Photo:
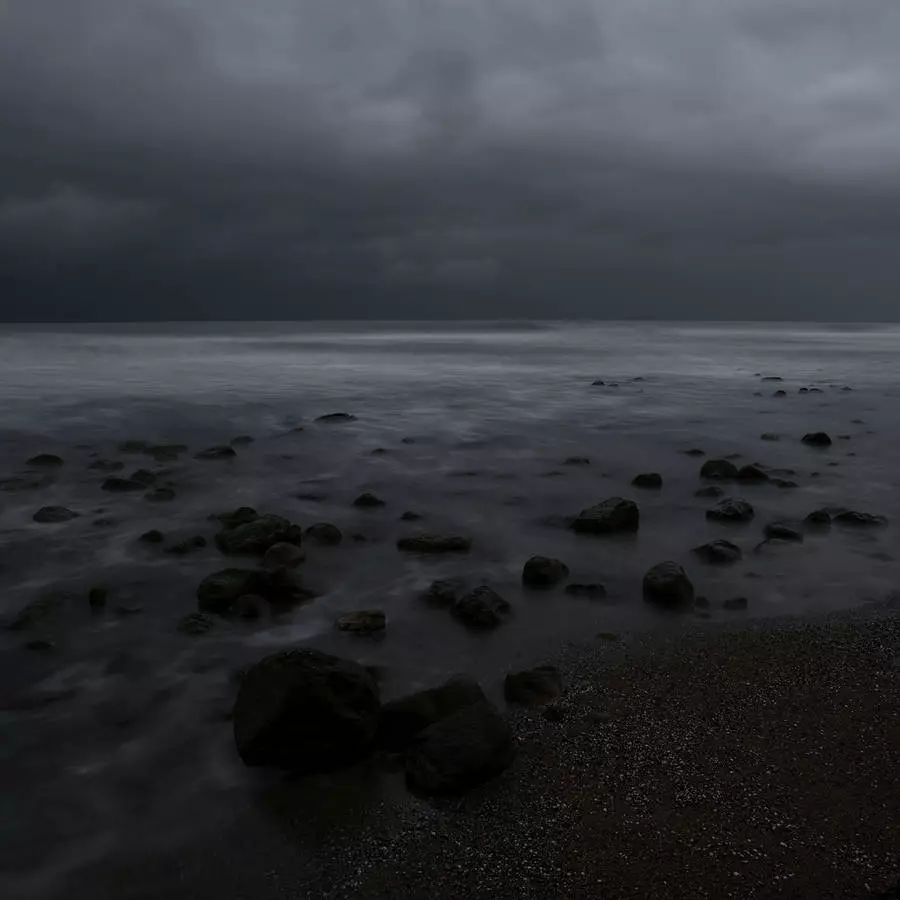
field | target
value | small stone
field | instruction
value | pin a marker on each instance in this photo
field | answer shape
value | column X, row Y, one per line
column 667, row 585
column 735, row 604
column 160, row 495
column 97, row 599
column 701, row 603
column 480, row 608
column 40, row 609
column 196, row 623
column 594, row 591
column 107, row 465
column 54, row 514
column 783, row 483
column 719, row 470
column 45, row 461
column 241, row 516
column 442, row 593
column 772, row 378
column 732, row 509
column 780, row 394
column 223, row 451
column 325, row 533
column 694, row 451
column 134, row 447
column 363, row 622
column 152, row 537
column 242, row 440
column 337, row 417
column 122, row 485
column 751, row 473
column 778, row 531
column 41, row 645
column 407, row 440
column 769, row 436
column 368, row 500
column 542, row 571
column 598, row 383
column 719, row 551
column 859, row 519
column 410, row 516
column 183, row 548
column 817, row 439
column 577, row 461
column 283, row 556
column 256, row 536
column 609, row 517
column 144, row 476
column 435, row 543
column 711, row 490
column 651, row 480
column 533, row 687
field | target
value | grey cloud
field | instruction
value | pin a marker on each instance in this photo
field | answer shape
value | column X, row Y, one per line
column 389, row 157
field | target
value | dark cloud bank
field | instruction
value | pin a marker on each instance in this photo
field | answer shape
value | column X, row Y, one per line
column 728, row 159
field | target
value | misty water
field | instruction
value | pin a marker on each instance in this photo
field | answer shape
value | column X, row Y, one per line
column 119, row 727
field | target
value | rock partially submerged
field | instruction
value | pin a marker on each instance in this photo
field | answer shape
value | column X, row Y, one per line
column 153, row 536
column 107, row 465
column 219, row 592
column 667, row 585
column 651, row 480
column 533, row 687
column 819, row 518
column 336, row 418
column 54, row 514
column 443, row 592
column 859, row 519
column 368, row 500
column 595, row 591
column 325, row 533
column 710, row 490
column 241, row 516
column 45, row 461
column 117, row 485
column 733, row 509
column 719, row 470
column 283, row 556
column 543, row 571
column 364, row 621
column 435, row 543
column 160, row 495
column 258, row 535
column 222, row 451
column 612, row 516
column 781, row 531
column 188, row 545
column 735, row 604
column 460, row 751
column 480, row 608
column 196, row 623
column 39, row 610
column 305, row 711
column 751, row 473
column 817, row 439
column 719, row 551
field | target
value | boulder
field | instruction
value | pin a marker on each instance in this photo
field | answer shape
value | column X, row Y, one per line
column 751, row 473
column 667, row 585
column 435, row 543
column 45, row 461
column 241, row 516
column 732, row 509
column 592, row 591
column 325, row 533
column 735, row 604
column 719, row 470
column 368, row 500
column 222, row 451
column 336, row 418
column 364, row 621
column 652, row 480
column 719, row 551
column 53, row 514
column 305, row 711
column 122, row 485
column 258, row 535
column 481, row 608
column 460, row 751
column 283, row 556
column 160, row 495
column 779, row 531
column 442, row 593
column 710, row 490
column 858, row 519
column 403, row 719
column 533, row 687
column 817, row 439
column 542, row 571
column 615, row 515
column 107, row 465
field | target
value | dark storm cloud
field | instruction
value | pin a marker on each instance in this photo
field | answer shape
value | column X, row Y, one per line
column 294, row 158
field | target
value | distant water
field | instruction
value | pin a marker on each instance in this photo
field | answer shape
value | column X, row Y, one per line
column 476, row 423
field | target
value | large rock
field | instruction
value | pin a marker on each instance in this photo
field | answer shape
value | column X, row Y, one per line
column 651, row 480
column 435, row 543
column 719, row 552
column 53, row 514
column 363, row 621
column 325, row 533
column 305, row 711
column 542, row 571
column 817, row 439
column 403, row 719
column 533, row 687
column 731, row 510
column 460, row 751
column 667, row 584
column 259, row 535
column 609, row 517
column 481, row 608
column 719, row 470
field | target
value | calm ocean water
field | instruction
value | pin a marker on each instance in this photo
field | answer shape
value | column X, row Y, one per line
column 493, row 412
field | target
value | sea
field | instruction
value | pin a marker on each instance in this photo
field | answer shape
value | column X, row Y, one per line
column 115, row 726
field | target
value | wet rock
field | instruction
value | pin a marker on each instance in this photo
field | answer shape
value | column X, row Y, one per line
column 403, row 719
column 594, row 591
column 223, row 451
column 769, row 436
column 719, row 470
column 443, row 592
column 858, row 519
column 54, row 514
column 45, row 461
column 410, row 516
column 368, row 500
column 364, row 621
column 577, row 461
column 732, row 509
column 779, row 531
column 242, row 440
column 817, row 439
column 694, row 451
column 258, row 535
column 615, row 515
column 652, row 480
column 336, row 418
column 122, row 485
column 735, row 604
column 711, row 490
column 160, row 495
column 241, row 516
column 107, row 465
column 250, row 607
column 435, row 543
column 283, row 556
column 305, row 711
column 152, row 537
column 189, row 545
column 751, row 473
column 542, row 571
column 480, row 608
column 325, row 533
column 144, row 476
column 41, row 609
column 533, row 687
column 460, row 751
column 719, row 551
column 667, row 585
column 196, row 623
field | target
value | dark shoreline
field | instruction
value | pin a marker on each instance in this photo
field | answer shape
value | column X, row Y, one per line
column 716, row 761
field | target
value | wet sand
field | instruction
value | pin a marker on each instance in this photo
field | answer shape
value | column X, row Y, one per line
column 762, row 762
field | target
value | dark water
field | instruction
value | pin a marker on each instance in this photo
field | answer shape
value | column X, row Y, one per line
column 125, row 724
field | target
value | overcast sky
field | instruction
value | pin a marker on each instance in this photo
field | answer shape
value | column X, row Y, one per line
column 227, row 159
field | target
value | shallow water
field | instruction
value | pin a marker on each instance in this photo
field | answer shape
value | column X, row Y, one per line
column 494, row 411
